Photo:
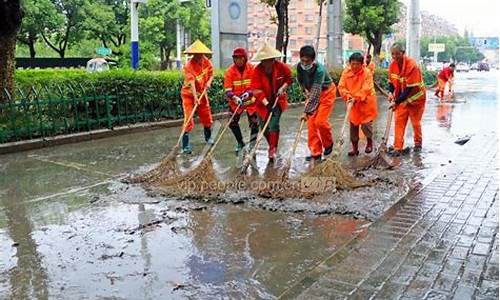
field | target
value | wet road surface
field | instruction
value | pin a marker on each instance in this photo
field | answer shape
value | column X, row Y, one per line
column 70, row 229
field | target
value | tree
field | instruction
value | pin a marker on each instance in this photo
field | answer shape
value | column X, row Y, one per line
column 108, row 23
column 74, row 13
column 281, row 19
column 371, row 19
column 456, row 48
column 158, row 24
column 11, row 15
column 39, row 14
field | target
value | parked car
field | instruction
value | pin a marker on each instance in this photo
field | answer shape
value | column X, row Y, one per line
column 463, row 67
column 474, row 66
column 483, row 67
column 435, row 66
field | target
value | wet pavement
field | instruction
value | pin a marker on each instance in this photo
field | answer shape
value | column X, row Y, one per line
column 70, row 229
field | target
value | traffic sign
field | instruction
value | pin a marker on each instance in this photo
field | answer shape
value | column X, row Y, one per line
column 436, row 47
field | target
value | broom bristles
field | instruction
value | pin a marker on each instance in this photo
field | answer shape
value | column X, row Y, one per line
column 202, row 180
column 333, row 168
column 166, row 169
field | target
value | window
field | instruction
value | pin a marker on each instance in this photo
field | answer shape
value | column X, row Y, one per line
column 293, row 43
column 308, row 4
column 293, row 18
column 309, row 30
column 309, row 18
column 292, row 30
column 309, row 42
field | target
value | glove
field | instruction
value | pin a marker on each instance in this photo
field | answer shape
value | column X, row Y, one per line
column 245, row 95
column 281, row 90
column 399, row 101
column 238, row 100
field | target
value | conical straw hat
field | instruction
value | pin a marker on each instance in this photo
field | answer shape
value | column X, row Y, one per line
column 198, row 48
column 267, row 52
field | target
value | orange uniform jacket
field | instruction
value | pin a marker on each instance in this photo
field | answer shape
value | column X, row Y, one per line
column 264, row 88
column 199, row 73
column 408, row 76
column 359, row 86
column 239, row 83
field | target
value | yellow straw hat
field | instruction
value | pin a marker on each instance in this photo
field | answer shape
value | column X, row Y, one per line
column 198, row 48
column 266, row 52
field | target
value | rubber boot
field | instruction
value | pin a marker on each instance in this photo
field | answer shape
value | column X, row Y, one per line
column 186, row 147
column 239, row 138
column 328, row 150
column 354, row 150
column 313, row 158
column 207, row 131
column 273, row 145
column 369, row 145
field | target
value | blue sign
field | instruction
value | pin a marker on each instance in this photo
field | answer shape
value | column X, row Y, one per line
column 484, row 42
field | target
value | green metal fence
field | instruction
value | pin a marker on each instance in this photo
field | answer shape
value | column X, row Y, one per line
column 44, row 111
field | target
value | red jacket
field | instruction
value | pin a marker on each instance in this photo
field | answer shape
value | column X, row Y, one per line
column 264, row 88
column 239, row 83
column 445, row 74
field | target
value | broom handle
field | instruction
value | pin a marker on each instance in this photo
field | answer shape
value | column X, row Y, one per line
column 383, row 144
column 246, row 162
column 297, row 137
column 189, row 118
column 219, row 138
column 347, row 112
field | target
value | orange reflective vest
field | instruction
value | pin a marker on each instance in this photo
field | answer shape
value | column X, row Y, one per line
column 267, row 87
column 239, row 83
column 200, row 73
column 359, row 87
column 408, row 76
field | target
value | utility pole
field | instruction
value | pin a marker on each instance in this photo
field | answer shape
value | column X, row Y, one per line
column 335, row 32
column 134, row 32
column 413, row 30
column 215, row 34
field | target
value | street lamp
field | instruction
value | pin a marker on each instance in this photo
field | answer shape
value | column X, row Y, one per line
column 134, row 35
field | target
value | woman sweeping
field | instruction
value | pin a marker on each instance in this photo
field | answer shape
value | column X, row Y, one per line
column 356, row 88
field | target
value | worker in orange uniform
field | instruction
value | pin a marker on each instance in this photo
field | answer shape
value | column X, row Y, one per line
column 237, row 81
column 320, row 94
column 198, row 76
column 369, row 63
column 445, row 76
column 407, row 96
column 356, row 87
column 270, row 80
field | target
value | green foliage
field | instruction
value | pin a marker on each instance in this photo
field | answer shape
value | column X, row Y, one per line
column 371, row 19
column 78, row 27
column 456, row 49
column 39, row 15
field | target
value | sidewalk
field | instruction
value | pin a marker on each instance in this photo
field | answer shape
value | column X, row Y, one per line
column 441, row 242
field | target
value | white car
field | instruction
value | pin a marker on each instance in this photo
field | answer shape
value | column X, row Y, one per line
column 436, row 67
column 462, row 67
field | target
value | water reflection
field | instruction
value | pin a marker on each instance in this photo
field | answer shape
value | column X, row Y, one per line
column 28, row 279
column 444, row 111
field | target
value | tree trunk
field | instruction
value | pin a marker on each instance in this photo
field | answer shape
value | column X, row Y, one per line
column 31, row 45
column 11, row 16
column 7, row 65
column 280, row 12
